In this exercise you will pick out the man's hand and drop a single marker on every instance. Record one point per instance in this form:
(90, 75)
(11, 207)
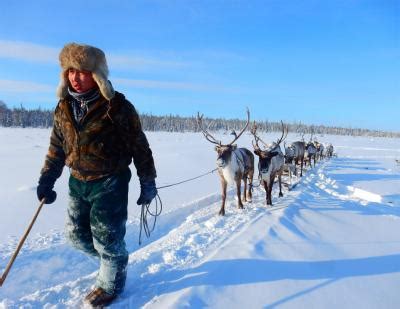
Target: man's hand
(148, 192)
(45, 189)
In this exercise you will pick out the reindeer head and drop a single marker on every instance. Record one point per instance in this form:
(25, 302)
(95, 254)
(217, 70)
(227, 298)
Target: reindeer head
(224, 154)
(310, 147)
(265, 159)
(224, 151)
(290, 153)
(265, 155)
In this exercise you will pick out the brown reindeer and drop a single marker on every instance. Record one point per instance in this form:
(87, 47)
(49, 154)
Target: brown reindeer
(271, 162)
(234, 164)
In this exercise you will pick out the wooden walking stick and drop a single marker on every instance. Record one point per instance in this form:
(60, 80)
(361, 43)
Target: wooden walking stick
(21, 242)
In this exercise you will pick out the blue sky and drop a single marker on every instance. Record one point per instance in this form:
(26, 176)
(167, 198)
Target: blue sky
(318, 62)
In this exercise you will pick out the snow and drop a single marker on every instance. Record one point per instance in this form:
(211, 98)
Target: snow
(332, 241)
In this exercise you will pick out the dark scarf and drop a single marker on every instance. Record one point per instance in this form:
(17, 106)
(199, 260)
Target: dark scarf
(80, 102)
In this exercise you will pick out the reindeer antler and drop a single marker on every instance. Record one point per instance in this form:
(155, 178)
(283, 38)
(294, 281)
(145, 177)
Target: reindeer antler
(253, 131)
(283, 137)
(256, 137)
(244, 128)
(206, 134)
(211, 138)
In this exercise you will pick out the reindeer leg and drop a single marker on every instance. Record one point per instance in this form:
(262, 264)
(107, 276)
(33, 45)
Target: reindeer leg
(224, 185)
(267, 198)
(301, 167)
(249, 192)
(280, 184)
(271, 184)
(238, 183)
(245, 188)
(269, 190)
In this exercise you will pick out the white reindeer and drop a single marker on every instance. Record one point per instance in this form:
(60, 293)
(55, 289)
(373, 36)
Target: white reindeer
(234, 164)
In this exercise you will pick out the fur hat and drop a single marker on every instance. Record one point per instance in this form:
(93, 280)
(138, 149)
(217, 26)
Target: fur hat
(84, 58)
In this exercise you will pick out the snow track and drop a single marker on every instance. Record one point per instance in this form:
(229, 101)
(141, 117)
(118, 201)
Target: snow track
(183, 238)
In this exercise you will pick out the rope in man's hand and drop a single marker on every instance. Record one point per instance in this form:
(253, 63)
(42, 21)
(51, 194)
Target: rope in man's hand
(145, 211)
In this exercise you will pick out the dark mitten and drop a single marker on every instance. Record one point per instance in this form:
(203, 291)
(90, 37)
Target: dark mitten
(45, 189)
(148, 191)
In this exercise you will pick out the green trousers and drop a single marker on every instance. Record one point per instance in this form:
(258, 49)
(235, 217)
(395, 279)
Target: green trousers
(96, 220)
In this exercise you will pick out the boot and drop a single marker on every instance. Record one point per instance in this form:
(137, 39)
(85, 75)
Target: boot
(98, 298)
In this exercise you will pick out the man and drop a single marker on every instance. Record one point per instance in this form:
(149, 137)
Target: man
(96, 133)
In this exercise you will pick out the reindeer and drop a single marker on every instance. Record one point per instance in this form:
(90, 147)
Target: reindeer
(270, 164)
(294, 153)
(311, 152)
(329, 151)
(234, 164)
(320, 150)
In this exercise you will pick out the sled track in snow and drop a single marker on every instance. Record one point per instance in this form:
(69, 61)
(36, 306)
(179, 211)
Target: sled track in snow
(183, 238)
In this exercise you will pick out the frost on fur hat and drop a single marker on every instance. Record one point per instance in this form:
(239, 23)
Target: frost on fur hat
(84, 58)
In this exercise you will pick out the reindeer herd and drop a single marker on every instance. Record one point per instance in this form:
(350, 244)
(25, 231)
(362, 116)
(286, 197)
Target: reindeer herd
(237, 164)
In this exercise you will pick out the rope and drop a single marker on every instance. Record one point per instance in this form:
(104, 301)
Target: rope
(145, 211)
(187, 180)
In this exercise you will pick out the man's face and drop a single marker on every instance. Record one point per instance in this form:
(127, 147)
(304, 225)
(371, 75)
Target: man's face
(81, 81)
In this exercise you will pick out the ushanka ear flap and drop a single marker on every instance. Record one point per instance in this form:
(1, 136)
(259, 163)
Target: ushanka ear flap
(62, 88)
(105, 86)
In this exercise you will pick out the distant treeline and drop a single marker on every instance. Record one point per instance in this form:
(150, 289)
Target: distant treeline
(39, 118)
(21, 117)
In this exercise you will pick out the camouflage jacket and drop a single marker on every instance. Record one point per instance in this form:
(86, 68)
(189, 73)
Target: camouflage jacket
(104, 142)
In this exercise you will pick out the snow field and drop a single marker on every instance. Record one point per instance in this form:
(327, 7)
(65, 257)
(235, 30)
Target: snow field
(332, 241)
